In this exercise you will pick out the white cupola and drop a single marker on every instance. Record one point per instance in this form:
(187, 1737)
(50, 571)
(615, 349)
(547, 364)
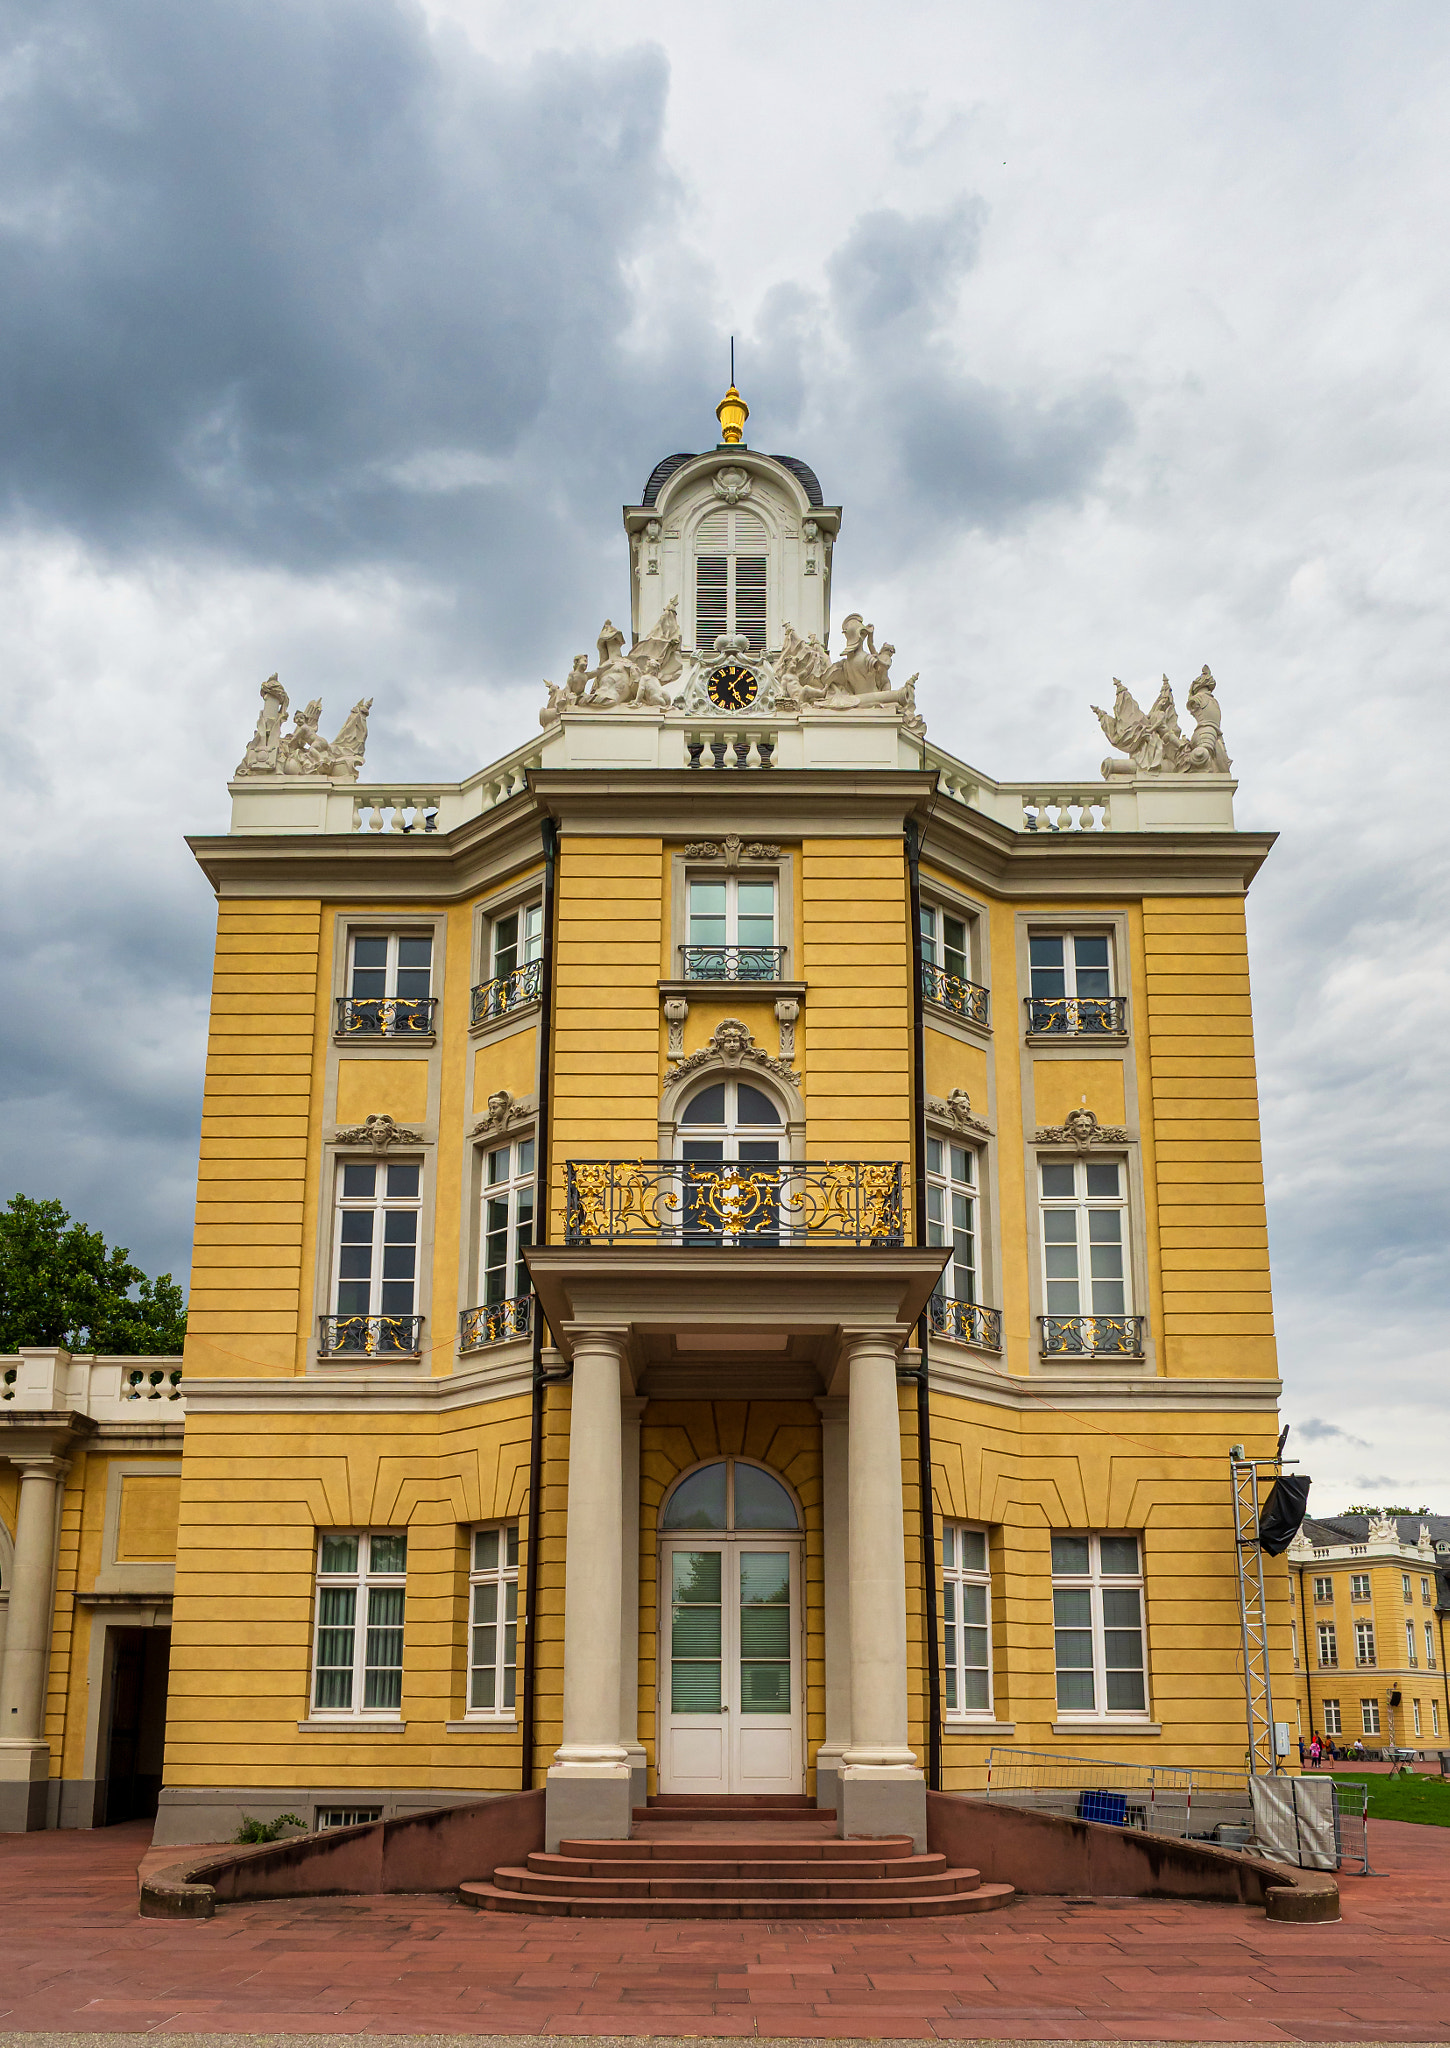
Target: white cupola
(741, 541)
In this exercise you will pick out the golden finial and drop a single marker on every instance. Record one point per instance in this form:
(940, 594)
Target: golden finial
(732, 411)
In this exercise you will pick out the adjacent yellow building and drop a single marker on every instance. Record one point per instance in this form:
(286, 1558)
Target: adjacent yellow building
(636, 1177)
(1371, 1594)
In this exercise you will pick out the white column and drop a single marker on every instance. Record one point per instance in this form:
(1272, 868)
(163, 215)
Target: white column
(882, 1789)
(24, 1754)
(588, 1782)
(836, 1597)
(632, 1408)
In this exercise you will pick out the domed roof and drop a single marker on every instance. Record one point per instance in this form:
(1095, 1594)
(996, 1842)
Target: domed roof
(804, 475)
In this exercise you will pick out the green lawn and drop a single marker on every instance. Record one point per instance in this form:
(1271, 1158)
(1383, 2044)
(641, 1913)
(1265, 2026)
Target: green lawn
(1423, 1799)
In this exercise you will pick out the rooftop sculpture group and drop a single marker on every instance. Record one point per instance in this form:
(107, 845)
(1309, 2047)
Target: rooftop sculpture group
(660, 674)
(304, 751)
(1153, 740)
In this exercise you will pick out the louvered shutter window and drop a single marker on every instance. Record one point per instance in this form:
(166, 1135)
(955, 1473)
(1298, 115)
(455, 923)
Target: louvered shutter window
(730, 563)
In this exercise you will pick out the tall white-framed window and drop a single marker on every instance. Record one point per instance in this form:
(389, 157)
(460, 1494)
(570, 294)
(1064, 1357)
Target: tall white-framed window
(1415, 1708)
(493, 1610)
(1078, 964)
(946, 964)
(508, 1219)
(1332, 1723)
(951, 1215)
(966, 1620)
(1424, 1592)
(389, 985)
(1369, 1716)
(517, 938)
(1411, 1646)
(1324, 1589)
(1405, 1584)
(1097, 1614)
(376, 1226)
(1364, 1642)
(1359, 1585)
(731, 926)
(1434, 1717)
(1294, 1639)
(1429, 1646)
(1328, 1644)
(732, 552)
(1085, 1267)
(726, 1121)
(357, 1662)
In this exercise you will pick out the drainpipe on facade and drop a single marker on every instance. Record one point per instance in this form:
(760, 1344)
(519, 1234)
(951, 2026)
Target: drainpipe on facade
(922, 1376)
(541, 1379)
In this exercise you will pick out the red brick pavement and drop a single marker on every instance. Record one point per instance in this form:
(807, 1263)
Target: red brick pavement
(75, 1958)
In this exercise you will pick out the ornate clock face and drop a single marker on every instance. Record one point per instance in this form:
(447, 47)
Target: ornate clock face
(732, 686)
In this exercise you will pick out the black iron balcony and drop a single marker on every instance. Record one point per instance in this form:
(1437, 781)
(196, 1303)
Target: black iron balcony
(495, 1322)
(731, 963)
(385, 1016)
(1093, 1336)
(967, 1321)
(724, 1202)
(370, 1336)
(962, 998)
(1077, 1016)
(507, 992)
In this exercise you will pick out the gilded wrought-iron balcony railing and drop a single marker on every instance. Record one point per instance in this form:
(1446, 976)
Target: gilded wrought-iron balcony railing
(1077, 1016)
(731, 963)
(385, 1016)
(507, 992)
(967, 1321)
(369, 1336)
(962, 998)
(1094, 1336)
(495, 1322)
(728, 1202)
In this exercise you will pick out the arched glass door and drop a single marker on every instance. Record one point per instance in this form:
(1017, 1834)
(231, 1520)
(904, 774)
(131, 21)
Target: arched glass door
(730, 1692)
(731, 1122)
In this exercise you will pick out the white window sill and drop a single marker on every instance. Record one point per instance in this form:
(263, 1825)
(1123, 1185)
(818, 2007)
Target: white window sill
(967, 1724)
(1108, 1724)
(352, 1724)
(481, 1724)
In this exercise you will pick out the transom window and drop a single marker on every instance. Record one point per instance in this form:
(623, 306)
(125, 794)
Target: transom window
(1097, 1613)
(1083, 1207)
(722, 1120)
(732, 929)
(358, 1650)
(508, 1220)
(730, 1495)
(390, 985)
(375, 1260)
(493, 1619)
(966, 1620)
(731, 553)
(1070, 964)
(518, 938)
(1324, 1589)
(951, 1215)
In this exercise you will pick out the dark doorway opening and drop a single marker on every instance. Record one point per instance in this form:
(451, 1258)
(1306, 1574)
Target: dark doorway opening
(136, 1738)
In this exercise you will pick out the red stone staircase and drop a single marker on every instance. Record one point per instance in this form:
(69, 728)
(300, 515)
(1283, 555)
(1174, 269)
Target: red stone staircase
(736, 1859)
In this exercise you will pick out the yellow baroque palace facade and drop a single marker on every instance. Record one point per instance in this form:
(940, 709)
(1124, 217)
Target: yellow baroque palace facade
(730, 1248)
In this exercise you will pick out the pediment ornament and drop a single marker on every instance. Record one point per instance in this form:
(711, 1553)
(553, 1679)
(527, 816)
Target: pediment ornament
(380, 1132)
(957, 1111)
(732, 849)
(504, 1111)
(1080, 1128)
(732, 1044)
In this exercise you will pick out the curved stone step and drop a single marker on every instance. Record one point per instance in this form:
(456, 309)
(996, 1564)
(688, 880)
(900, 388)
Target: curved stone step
(786, 1891)
(493, 1899)
(706, 1871)
(728, 1848)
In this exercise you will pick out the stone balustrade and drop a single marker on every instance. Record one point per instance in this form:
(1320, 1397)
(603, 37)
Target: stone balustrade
(1129, 803)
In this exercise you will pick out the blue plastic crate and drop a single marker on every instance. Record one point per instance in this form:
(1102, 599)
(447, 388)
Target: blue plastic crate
(1111, 1807)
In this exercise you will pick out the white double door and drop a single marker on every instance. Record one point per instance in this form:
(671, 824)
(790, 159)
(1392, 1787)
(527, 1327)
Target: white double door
(730, 1704)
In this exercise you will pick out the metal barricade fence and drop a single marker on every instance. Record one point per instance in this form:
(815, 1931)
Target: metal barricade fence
(1185, 1801)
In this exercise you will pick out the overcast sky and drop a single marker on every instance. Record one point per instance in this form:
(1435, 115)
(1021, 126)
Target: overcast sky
(333, 334)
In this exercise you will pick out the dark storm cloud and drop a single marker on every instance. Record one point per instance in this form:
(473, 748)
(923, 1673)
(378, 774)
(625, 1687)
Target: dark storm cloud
(263, 266)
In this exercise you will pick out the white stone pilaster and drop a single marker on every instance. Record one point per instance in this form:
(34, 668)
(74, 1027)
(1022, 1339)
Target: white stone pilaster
(836, 1597)
(24, 1753)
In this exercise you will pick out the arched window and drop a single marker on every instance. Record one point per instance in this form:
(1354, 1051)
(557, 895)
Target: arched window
(731, 1120)
(730, 1496)
(730, 563)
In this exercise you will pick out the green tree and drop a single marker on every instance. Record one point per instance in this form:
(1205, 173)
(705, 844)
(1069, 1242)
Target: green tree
(59, 1284)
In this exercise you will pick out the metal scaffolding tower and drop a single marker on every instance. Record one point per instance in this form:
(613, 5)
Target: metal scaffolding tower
(1253, 1611)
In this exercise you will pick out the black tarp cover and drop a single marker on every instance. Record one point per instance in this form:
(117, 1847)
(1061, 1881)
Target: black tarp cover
(1282, 1512)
